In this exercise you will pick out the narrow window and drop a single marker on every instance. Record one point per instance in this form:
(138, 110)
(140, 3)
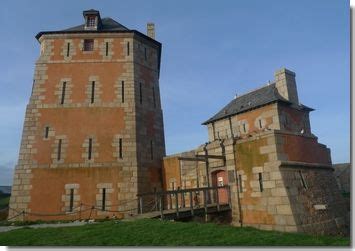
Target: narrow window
(46, 132)
(63, 92)
(88, 44)
(240, 183)
(71, 201)
(103, 199)
(90, 149)
(122, 91)
(244, 129)
(260, 125)
(59, 153)
(68, 49)
(151, 149)
(120, 148)
(127, 48)
(173, 185)
(106, 48)
(261, 182)
(140, 93)
(154, 102)
(304, 184)
(145, 53)
(92, 92)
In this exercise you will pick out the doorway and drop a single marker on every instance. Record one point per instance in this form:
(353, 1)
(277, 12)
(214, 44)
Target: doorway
(219, 178)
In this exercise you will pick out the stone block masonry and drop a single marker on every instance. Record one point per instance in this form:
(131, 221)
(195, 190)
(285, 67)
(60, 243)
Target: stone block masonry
(280, 176)
(85, 126)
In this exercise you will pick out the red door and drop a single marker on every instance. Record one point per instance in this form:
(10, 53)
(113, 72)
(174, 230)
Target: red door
(219, 178)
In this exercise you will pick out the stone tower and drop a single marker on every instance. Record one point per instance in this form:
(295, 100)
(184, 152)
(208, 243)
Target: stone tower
(93, 132)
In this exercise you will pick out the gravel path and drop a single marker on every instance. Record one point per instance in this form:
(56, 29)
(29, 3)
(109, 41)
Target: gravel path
(70, 224)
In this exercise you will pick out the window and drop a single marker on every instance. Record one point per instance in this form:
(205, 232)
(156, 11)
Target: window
(106, 48)
(240, 183)
(91, 21)
(127, 48)
(122, 91)
(145, 53)
(151, 149)
(90, 149)
(244, 128)
(120, 148)
(59, 153)
(261, 182)
(71, 200)
(92, 92)
(154, 102)
(88, 44)
(46, 132)
(260, 124)
(172, 185)
(140, 93)
(304, 184)
(103, 199)
(68, 49)
(63, 93)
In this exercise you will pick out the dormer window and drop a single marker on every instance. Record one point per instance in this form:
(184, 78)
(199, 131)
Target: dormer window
(91, 21)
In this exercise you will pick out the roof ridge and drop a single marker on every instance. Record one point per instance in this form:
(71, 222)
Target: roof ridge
(256, 89)
(110, 18)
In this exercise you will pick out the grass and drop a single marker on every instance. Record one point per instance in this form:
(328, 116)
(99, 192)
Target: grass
(4, 202)
(161, 233)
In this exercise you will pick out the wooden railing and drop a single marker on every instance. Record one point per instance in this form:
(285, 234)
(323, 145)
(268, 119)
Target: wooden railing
(184, 198)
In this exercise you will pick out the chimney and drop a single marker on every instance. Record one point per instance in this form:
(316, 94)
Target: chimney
(151, 30)
(286, 85)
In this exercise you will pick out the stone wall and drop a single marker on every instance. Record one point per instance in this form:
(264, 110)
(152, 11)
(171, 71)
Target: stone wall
(239, 125)
(315, 201)
(127, 135)
(271, 188)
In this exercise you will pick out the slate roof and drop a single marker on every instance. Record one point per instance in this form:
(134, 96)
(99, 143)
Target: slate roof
(251, 100)
(107, 25)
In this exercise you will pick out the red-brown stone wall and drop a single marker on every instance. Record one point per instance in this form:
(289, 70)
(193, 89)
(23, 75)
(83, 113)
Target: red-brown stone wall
(48, 187)
(304, 149)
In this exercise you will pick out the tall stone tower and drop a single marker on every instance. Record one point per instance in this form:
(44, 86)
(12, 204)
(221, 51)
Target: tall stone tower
(93, 132)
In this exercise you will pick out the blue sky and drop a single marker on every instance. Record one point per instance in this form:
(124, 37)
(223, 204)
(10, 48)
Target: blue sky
(211, 50)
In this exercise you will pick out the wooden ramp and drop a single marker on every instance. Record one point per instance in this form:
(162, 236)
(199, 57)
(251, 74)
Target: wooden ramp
(178, 204)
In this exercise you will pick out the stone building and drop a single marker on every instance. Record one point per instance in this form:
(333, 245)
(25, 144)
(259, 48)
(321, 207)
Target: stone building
(93, 132)
(281, 178)
(93, 139)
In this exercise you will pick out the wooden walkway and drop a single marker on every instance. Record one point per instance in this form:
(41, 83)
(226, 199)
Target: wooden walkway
(178, 204)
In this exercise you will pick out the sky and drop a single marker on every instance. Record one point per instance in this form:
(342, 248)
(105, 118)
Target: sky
(211, 51)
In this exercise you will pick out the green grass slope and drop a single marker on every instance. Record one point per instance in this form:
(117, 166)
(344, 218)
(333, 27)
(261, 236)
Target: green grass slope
(161, 233)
